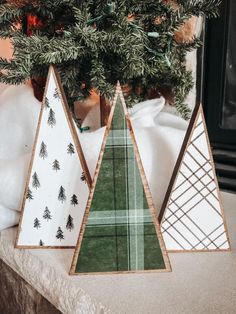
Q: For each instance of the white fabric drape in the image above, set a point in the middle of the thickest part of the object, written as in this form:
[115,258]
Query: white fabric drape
[159,133]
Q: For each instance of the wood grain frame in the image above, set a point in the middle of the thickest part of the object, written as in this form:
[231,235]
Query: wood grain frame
[146,189]
[54,72]
[197,111]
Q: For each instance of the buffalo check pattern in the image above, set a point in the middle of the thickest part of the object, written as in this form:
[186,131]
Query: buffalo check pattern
[193,219]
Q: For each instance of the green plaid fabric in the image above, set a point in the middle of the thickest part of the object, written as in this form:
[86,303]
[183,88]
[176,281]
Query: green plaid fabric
[120,234]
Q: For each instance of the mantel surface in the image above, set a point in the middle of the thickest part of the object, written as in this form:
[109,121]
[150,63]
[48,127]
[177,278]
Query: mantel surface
[199,283]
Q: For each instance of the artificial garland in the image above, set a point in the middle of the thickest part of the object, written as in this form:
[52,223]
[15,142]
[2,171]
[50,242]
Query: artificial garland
[96,43]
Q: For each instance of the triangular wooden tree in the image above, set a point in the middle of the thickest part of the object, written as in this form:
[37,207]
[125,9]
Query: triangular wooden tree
[54,178]
[120,231]
[192,217]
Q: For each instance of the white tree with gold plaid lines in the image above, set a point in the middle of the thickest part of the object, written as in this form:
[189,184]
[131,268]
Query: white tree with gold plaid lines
[192,217]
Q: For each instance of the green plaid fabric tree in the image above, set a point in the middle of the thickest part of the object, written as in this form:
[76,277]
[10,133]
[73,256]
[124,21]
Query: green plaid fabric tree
[120,233]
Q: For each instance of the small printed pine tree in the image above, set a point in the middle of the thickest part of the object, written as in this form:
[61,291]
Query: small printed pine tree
[70,149]
[51,118]
[35,183]
[56,165]
[47,214]
[59,234]
[37,223]
[41,243]
[62,194]
[74,200]
[70,224]
[83,178]
[46,103]
[29,195]
[43,151]
[56,94]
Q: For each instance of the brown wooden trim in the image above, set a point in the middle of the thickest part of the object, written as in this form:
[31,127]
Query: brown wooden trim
[44,247]
[137,272]
[146,189]
[199,251]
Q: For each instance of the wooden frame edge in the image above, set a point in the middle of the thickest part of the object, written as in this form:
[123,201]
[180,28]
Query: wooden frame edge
[44,247]
[200,251]
[128,272]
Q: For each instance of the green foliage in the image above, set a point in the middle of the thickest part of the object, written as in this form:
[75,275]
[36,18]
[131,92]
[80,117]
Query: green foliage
[94,44]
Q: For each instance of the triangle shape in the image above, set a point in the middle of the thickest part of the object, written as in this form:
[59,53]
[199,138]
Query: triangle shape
[192,217]
[58,182]
[120,230]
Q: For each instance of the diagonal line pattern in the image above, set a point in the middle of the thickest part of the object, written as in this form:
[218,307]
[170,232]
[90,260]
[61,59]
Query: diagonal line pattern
[180,221]
[185,214]
[192,175]
[205,186]
[207,237]
[201,183]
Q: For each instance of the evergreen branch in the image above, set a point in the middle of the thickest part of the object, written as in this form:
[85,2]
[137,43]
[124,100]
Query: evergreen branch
[198,7]
[15,78]
[94,44]
[9,13]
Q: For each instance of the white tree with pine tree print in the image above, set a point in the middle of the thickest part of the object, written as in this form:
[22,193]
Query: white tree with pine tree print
[62,194]
[70,224]
[37,224]
[35,182]
[54,189]
[47,214]
[59,234]
[70,149]
[29,195]
[43,151]
[56,165]
[51,118]
[74,200]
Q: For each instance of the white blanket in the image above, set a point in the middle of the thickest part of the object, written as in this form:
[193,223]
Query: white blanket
[159,133]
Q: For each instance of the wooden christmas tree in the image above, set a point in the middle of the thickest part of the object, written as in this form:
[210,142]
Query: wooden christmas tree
[56,167]
[192,215]
[120,231]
